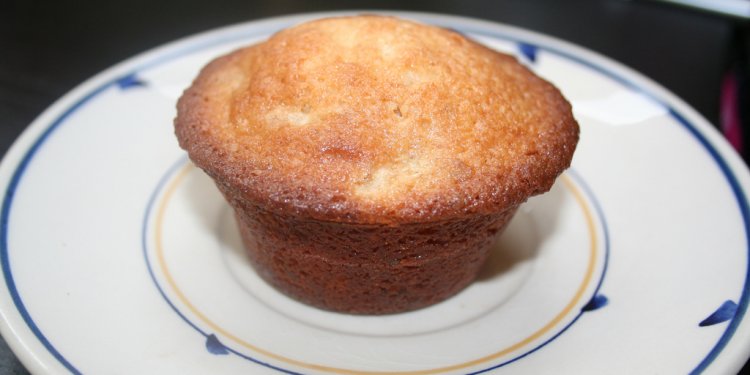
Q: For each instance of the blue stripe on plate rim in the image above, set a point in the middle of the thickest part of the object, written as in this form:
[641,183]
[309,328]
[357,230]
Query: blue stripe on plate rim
[265,27]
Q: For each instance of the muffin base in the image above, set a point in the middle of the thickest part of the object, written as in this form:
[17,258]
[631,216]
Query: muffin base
[367,269]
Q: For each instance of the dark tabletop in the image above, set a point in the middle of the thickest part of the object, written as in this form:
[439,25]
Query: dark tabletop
[47,48]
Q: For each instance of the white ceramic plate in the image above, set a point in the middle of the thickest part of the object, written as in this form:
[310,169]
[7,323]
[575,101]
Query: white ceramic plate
[118,256]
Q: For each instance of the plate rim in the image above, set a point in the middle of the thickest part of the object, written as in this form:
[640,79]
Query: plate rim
[23,148]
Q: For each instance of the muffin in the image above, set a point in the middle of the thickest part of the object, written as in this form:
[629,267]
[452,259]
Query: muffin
[371,161]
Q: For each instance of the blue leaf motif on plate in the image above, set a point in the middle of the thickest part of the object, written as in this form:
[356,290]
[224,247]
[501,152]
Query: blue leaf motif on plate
[528,51]
[725,312]
[129,81]
[597,302]
[214,346]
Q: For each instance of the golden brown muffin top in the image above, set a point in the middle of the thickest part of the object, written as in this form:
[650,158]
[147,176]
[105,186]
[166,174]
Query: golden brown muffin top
[374,119]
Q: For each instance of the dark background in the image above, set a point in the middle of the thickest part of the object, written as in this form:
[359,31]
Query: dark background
[47,48]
